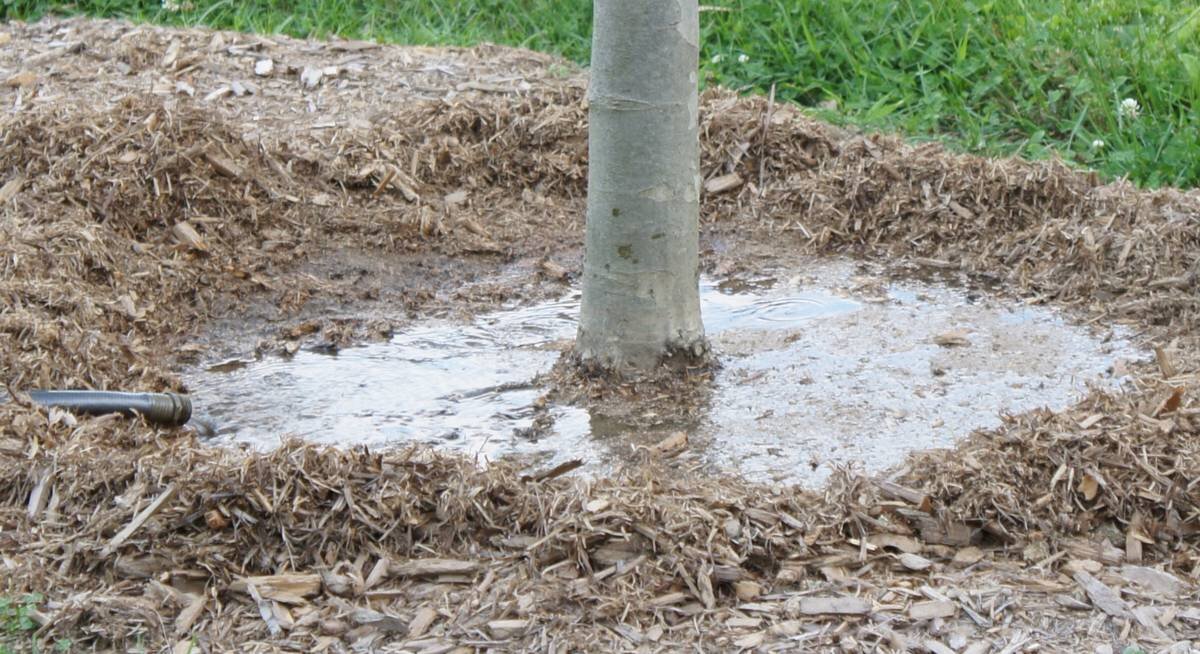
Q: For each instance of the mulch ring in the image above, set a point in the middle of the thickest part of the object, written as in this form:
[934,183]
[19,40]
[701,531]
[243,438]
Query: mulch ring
[133,211]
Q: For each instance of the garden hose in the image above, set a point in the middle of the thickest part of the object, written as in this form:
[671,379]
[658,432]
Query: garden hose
[160,408]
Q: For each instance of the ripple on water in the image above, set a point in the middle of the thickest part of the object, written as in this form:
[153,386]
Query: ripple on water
[812,377]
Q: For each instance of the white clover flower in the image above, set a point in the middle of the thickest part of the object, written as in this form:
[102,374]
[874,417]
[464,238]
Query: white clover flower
[1097,144]
[1129,108]
[717,58]
[743,58]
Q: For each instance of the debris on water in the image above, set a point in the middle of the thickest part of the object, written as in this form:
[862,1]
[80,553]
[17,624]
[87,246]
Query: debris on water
[955,338]
[229,365]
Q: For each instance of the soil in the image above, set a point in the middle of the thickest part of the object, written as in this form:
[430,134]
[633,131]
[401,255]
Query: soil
[154,188]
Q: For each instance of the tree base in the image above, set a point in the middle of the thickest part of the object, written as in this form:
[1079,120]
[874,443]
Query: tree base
[682,379]
[678,361]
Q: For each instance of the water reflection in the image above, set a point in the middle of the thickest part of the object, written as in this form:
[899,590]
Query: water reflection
[810,378]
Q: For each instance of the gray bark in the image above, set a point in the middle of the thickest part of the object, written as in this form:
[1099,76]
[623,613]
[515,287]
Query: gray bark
[641,265]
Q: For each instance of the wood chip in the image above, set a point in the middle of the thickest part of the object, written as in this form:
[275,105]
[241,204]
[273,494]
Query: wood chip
[430,567]
[23,78]
[668,599]
[932,609]
[750,641]
[224,166]
[187,235]
[937,531]
[40,494]
[11,188]
[966,556]
[378,573]
[310,77]
[747,590]
[671,444]
[830,606]
[895,491]
[718,185]
[421,622]
[955,338]
[379,621]
[705,587]
[1147,617]
[171,55]
[557,471]
[1170,403]
[217,93]
[1101,550]
[1155,581]
[190,613]
[265,611]
[1086,565]
[1103,597]
[1068,602]
[287,588]
[915,562]
[507,628]
[553,270]
[139,520]
[743,623]
[596,506]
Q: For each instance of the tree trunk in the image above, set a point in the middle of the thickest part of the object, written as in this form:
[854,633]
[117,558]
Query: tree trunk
[641,301]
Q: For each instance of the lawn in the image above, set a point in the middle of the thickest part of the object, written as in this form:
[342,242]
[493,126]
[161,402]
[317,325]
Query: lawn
[1108,84]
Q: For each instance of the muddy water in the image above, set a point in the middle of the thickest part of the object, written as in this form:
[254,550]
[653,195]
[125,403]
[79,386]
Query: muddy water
[827,368]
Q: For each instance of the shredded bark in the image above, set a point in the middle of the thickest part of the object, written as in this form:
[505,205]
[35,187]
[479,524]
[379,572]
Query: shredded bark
[151,183]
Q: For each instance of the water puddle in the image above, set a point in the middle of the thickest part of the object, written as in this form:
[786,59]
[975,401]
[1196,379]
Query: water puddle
[817,370]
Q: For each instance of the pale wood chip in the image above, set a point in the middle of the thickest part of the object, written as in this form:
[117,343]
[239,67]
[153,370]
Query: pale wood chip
[915,562]
[11,188]
[750,641]
[1104,598]
[288,588]
[966,556]
[421,622]
[932,609]
[190,613]
[428,567]
[673,443]
[1153,580]
[187,235]
[508,628]
[954,338]
[831,606]
[723,183]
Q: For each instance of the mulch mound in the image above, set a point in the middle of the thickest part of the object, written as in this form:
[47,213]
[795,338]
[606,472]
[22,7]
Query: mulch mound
[128,222]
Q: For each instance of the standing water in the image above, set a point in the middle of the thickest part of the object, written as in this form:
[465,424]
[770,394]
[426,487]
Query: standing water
[824,370]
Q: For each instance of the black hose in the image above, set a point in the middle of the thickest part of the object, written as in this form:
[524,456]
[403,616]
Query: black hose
[162,408]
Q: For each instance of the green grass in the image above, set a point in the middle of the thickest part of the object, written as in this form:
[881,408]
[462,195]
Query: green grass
[998,77]
[17,626]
